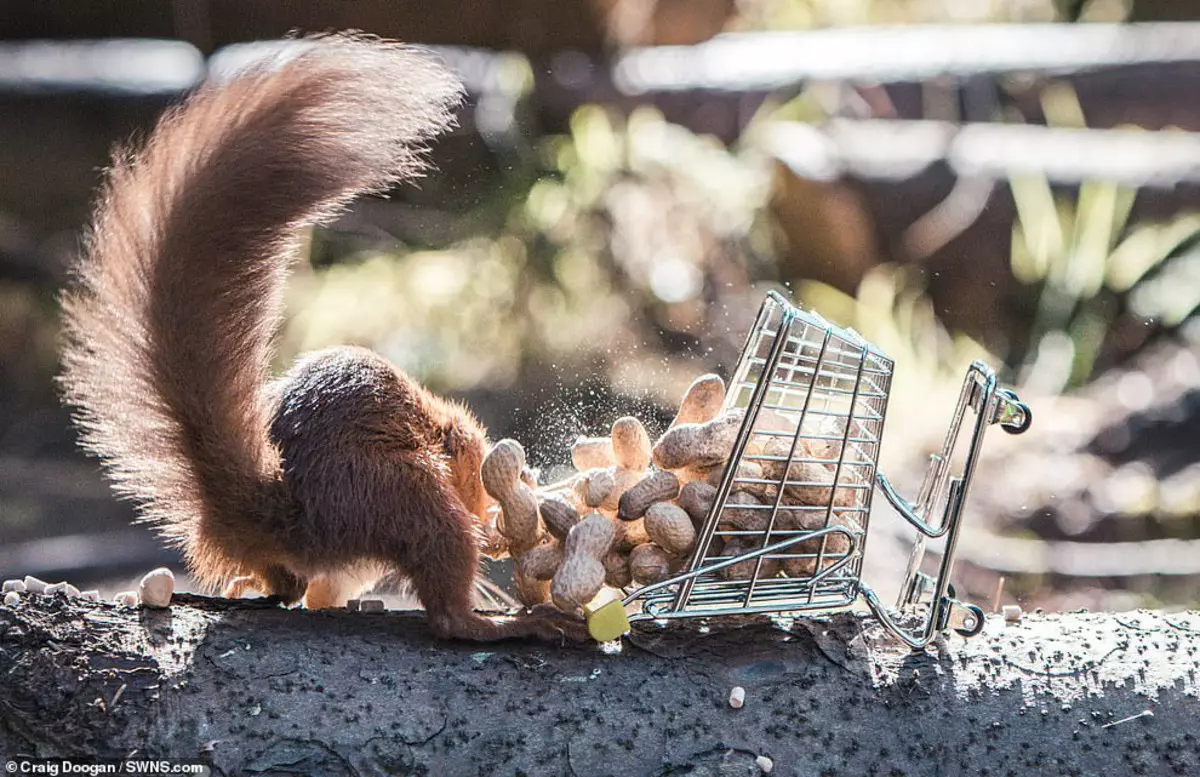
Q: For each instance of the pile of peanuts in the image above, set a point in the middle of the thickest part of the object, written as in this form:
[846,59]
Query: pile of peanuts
[633,512]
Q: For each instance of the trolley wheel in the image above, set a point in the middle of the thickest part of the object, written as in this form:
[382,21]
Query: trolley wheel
[977,614]
[1027,419]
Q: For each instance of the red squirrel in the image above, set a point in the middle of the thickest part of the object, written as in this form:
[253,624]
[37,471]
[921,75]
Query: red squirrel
[310,486]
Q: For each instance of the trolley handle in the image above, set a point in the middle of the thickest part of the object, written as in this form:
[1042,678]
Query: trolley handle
[908,511]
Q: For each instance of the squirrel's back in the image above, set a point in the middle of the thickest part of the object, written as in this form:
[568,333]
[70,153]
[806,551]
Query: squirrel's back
[171,320]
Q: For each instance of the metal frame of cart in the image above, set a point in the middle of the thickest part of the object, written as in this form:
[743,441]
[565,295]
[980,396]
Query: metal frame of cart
[820,393]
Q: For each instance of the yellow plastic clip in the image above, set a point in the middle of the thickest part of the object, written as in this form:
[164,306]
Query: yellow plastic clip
[606,619]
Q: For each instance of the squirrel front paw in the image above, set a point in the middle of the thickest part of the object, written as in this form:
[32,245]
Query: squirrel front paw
[554,624]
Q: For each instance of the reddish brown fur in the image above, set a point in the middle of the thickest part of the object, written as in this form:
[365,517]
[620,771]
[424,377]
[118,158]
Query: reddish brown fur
[343,463]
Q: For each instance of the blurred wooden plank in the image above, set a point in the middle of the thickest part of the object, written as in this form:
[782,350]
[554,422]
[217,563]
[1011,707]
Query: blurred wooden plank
[892,150]
[115,66]
[747,62]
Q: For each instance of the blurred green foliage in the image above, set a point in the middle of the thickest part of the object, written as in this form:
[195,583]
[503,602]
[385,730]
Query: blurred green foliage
[1088,266]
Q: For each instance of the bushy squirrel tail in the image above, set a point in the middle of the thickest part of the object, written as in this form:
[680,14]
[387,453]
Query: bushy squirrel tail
[171,318]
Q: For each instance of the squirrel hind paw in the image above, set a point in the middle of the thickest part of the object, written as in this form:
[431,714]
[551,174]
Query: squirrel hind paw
[238,587]
[275,582]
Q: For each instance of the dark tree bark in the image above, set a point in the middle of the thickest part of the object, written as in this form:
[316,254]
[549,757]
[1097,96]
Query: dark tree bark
[268,691]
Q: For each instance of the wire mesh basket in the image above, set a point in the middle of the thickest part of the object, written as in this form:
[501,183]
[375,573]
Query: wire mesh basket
[788,528]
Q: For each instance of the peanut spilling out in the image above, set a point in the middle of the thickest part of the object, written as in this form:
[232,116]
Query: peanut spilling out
[586,553]
[581,575]
[702,401]
[602,488]
[643,523]
[656,487]
[501,474]
[593,453]
[630,534]
[541,561]
[595,486]
[698,445]
[559,517]
[670,528]
[631,444]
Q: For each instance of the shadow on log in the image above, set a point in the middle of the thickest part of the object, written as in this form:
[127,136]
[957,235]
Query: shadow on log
[265,691]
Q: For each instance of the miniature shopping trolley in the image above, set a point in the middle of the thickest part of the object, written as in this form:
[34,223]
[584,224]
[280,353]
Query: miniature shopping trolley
[814,398]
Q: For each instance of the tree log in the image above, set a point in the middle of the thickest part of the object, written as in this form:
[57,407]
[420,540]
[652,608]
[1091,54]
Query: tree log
[260,690]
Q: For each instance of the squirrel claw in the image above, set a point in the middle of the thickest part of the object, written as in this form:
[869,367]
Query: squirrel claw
[558,624]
